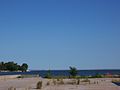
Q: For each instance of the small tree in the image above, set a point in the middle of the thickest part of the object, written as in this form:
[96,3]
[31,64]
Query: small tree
[24,67]
[48,74]
[73,72]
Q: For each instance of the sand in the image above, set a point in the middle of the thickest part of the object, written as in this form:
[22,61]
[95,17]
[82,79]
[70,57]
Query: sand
[18,83]
[101,84]
[30,84]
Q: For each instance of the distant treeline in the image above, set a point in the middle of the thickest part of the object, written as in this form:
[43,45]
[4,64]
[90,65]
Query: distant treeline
[12,66]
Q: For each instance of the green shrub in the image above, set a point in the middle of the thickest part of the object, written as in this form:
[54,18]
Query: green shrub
[20,76]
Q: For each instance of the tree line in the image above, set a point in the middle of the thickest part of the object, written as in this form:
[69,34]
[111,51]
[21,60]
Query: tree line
[12,66]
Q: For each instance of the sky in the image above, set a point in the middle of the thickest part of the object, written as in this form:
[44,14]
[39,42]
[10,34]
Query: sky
[56,34]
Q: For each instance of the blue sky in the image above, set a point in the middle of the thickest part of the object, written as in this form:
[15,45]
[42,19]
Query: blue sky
[56,34]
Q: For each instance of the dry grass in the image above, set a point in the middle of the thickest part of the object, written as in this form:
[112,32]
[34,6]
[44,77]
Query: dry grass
[39,85]
[11,88]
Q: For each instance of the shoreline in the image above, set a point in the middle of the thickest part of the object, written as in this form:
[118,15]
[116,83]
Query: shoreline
[6,77]
[66,72]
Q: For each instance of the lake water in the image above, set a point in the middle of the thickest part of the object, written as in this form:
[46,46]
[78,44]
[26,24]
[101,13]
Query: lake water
[65,72]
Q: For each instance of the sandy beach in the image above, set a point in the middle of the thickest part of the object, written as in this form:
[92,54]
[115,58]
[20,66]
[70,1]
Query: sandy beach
[30,84]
